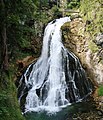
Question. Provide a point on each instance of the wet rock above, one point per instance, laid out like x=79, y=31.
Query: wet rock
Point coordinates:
x=25, y=62
x=88, y=22
x=99, y=39
x=78, y=118
x=100, y=105
x=78, y=41
x=100, y=113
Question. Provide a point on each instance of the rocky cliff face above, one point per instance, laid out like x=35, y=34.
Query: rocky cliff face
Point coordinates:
x=87, y=44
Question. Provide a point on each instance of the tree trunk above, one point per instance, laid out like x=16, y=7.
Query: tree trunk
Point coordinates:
x=4, y=50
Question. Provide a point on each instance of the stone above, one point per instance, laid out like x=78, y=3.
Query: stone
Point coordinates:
x=25, y=62
x=99, y=39
x=100, y=113
x=77, y=40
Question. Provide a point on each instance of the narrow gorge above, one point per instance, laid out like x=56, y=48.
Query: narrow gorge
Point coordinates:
x=51, y=70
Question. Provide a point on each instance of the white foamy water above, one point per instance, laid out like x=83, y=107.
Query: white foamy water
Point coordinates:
x=54, y=81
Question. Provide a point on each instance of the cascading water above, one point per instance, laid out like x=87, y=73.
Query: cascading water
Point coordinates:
x=57, y=79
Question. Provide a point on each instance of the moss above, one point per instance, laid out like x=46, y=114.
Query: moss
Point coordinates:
x=9, y=108
x=66, y=27
x=73, y=4
x=93, y=47
x=92, y=11
x=100, y=90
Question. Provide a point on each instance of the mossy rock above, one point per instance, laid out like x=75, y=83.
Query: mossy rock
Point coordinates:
x=66, y=26
x=93, y=47
x=9, y=107
x=100, y=90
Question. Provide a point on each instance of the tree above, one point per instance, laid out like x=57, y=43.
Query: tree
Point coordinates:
x=3, y=36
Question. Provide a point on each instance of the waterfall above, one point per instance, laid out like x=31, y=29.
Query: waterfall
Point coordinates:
x=57, y=79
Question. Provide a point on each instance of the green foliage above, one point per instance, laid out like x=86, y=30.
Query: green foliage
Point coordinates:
x=73, y=4
x=20, y=32
x=9, y=108
x=56, y=12
x=92, y=11
x=93, y=47
x=17, y=14
x=100, y=90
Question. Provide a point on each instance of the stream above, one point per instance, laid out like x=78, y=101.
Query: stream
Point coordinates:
x=69, y=113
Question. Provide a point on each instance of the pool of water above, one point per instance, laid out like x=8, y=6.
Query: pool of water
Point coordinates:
x=67, y=113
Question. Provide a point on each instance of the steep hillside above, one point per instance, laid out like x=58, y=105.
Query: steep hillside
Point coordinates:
x=23, y=34
x=84, y=36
